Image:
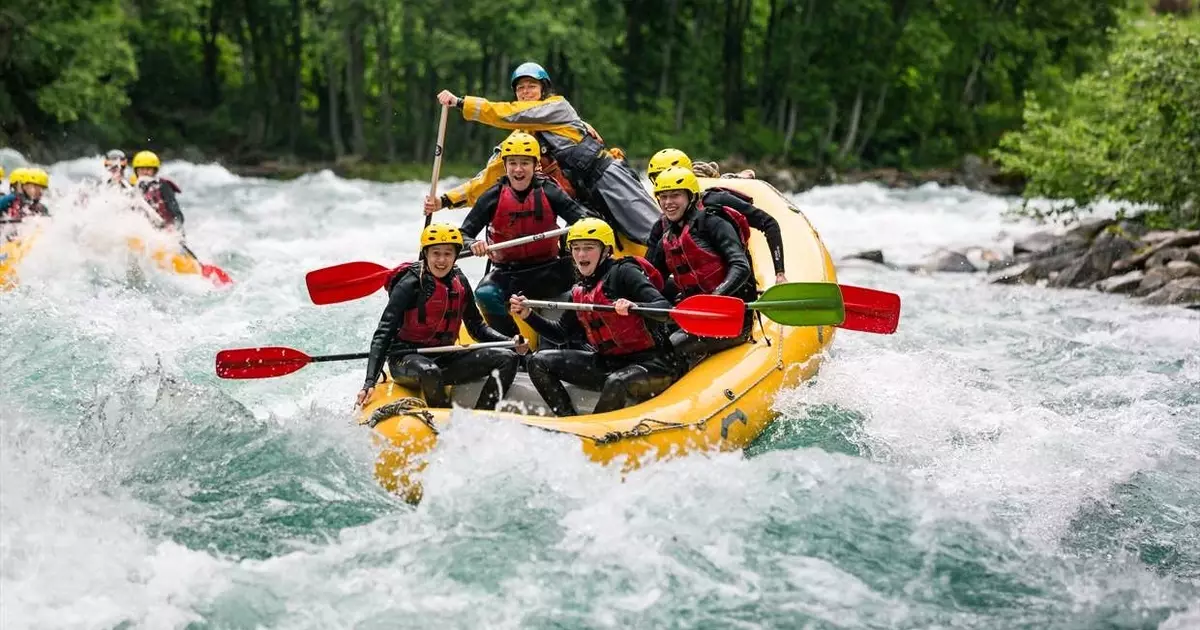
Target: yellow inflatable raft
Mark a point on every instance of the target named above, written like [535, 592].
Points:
[11, 253]
[724, 403]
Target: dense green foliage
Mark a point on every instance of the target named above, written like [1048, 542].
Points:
[806, 82]
[1129, 130]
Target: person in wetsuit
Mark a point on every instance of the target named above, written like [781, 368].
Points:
[715, 197]
[427, 303]
[631, 360]
[703, 250]
[522, 203]
[159, 192]
[25, 199]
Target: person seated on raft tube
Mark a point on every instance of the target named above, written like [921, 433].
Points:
[115, 163]
[704, 251]
[522, 203]
[603, 183]
[427, 303]
[159, 192]
[25, 200]
[717, 197]
[632, 359]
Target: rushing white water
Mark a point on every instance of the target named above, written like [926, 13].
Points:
[1012, 457]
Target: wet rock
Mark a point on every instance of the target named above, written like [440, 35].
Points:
[1036, 243]
[1124, 283]
[1087, 230]
[1182, 290]
[783, 179]
[1097, 263]
[977, 173]
[1155, 279]
[1157, 236]
[949, 261]
[1181, 269]
[872, 255]
[1018, 273]
[1166, 255]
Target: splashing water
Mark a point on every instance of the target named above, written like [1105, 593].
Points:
[1012, 458]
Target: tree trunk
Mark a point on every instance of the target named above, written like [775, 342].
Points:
[334, 72]
[873, 120]
[356, 92]
[827, 138]
[295, 69]
[211, 54]
[852, 130]
[387, 111]
[633, 54]
[668, 38]
[412, 87]
[736, 15]
[765, 85]
[789, 133]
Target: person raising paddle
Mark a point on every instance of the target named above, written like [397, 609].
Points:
[427, 303]
[632, 360]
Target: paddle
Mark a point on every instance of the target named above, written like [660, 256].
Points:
[701, 315]
[214, 273]
[246, 363]
[437, 158]
[802, 304]
[869, 310]
[354, 280]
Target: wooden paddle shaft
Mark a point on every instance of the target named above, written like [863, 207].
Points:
[438, 150]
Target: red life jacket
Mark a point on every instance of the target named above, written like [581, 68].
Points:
[153, 194]
[647, 268]
[610, 333]
[729, 214]
[435, 320]
[13, 211]
[696, 269]
[515, 219]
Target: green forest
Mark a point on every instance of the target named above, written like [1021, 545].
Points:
[808, 83]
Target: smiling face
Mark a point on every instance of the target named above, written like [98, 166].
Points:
[33, 191]
[439, 259]
[674, 203]
[520, 171]
[528, 89]
[587, 255]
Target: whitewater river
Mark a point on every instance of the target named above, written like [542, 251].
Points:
[1014, 457]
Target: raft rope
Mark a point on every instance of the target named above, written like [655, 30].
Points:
[413, 407]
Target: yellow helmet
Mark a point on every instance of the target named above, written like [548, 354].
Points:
[146, 159]
[1, 172]
[677, 178]
[519, 143]
[37, 177]
[439, 234]
[665, 159]
[592, 229]
[17, 176]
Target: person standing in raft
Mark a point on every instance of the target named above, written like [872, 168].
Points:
[704, 251]
[604, 183]
[632, 360]
[115, 164]
[427, 303]
[716, 197]
[523, 203]
[159, 192]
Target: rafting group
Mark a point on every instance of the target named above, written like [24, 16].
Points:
[150, 195]
[649, 282]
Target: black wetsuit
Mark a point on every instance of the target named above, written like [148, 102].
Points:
[619, 378]
[758, 219]
[546, 280]
[430, 373]
[718, 235]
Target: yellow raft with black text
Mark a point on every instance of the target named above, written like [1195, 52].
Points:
[724, 403]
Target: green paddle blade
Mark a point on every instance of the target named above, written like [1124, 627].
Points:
[802, 304]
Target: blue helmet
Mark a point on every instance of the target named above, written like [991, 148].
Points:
[532, 70]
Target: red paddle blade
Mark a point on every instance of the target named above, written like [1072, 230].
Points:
[216, 275]
[710, 315]
[245, 363]
[345, 282]
[868, 310]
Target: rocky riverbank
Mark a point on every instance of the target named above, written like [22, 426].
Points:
[1109, 255]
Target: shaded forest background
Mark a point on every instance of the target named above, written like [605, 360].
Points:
[808, 83]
